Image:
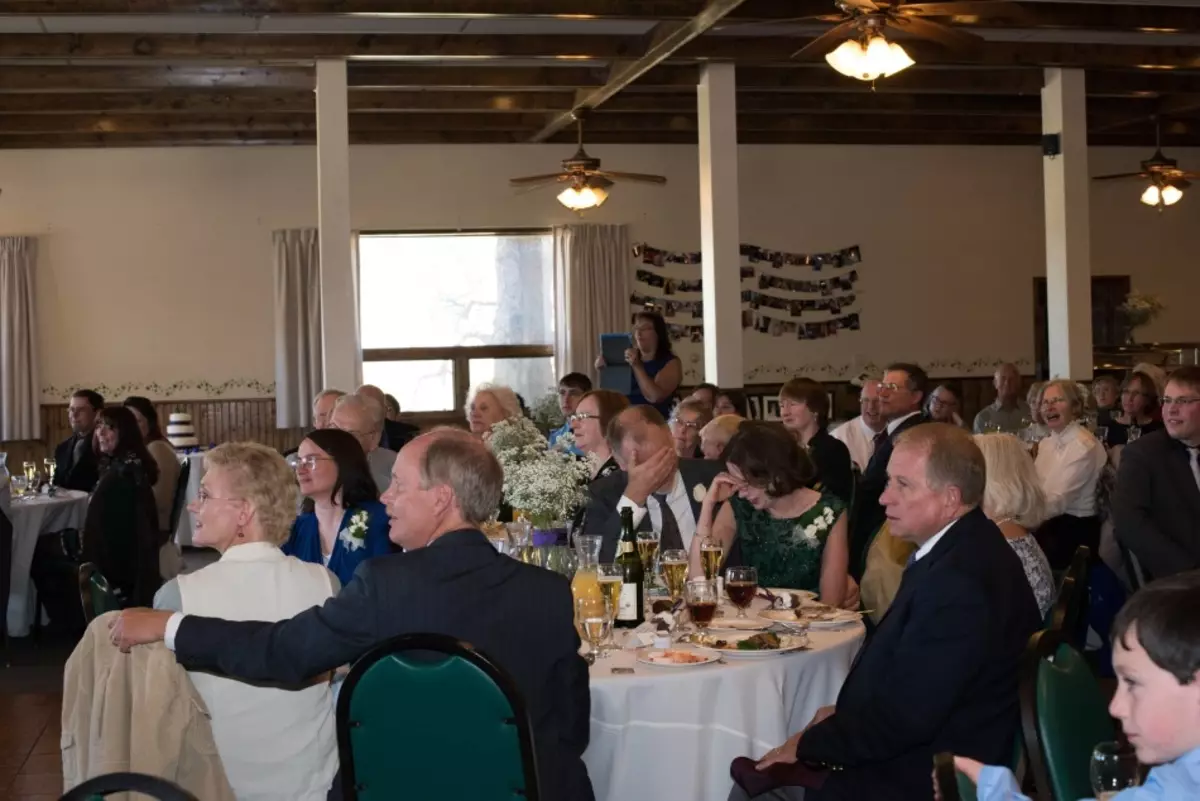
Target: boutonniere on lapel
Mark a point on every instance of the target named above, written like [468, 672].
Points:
[699, 492]
[355, 534]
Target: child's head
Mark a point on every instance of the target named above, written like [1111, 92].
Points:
[1156, 655]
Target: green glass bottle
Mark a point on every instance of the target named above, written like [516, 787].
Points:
[630, 613]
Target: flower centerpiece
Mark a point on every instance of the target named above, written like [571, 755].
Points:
[546, 412]
[1138, 310]
[546, 484]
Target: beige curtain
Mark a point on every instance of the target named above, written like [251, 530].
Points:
[298, 367]
[591, 281]
[20, 416]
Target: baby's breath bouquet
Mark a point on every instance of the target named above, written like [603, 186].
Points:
[543, 483]
[1140, 309]
[546, 412]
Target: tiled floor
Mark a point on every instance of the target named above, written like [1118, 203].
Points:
[30, 764]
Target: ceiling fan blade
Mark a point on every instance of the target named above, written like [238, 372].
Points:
[966, 8]
[862, 5]
[759, 23]
[945, 35]
[539, 179]
[1180, 182]
[1121, 175]
[827, 41]
[631, 176]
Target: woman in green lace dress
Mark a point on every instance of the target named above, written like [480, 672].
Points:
[794, 536]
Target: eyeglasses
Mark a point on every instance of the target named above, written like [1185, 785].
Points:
[579, 417]
[893, 386]
[307, 462]
[202, 497]
[1185, 402]
[692, 424]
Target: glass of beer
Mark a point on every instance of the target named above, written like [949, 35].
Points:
[595, 623]
[51, 466]
[647, 545]
[674, 568]
[741, 583]
[610, 587]
[702, 601]
[710, 557]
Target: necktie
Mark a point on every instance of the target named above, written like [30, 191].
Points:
[670, 537]
[912, 560]
[880, 438]
[1194, 453]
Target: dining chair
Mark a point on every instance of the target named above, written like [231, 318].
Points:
[466, 704]
[179, 502]
[95, 593]
[1063, 716]
[153, 786]
[1070, 608]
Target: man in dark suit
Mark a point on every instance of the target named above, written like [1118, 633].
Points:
[395, 434]
[940, 671]
[901, 396]
[75, 461]
[664, 491]
[450, 580]
[1156, 501]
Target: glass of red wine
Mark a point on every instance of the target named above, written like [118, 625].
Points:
[741, 583]
[702, 602]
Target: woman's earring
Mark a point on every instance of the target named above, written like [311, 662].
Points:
[241, 534]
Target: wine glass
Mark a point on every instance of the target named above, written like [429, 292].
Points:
[595, 622]
[611, 581]
[647, 545]
[30, 474]
[51, 467]
[674, 569]
[1114, 768]
[1134, 433]
[710, 557]
[741, 583]
[702, 601]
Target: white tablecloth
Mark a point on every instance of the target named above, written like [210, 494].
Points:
[183, 532]
[31, 518]
[669, 734]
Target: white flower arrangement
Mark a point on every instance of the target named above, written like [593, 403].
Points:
[1140, 309]
[815, 533]
[566, 442]
[545, 484]
[355, 534]
[546, 412]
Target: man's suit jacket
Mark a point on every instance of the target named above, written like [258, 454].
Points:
[938, 674]
[520, 616]
[1156, 505]
[397, 434]
[867, 515]
[605, 493]
[69, 473]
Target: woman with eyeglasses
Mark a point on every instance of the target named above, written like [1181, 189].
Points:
[589, 422]
[1139, 411]
[342, 521]
[657, 371]
[274, 744]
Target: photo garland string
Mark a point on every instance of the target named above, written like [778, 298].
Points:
[754, 317]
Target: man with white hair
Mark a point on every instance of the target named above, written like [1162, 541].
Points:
[363, 418]
[394, 434]
[322, 406]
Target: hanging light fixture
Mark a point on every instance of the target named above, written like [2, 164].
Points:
[866, 62]
[581, 198]
[1167, 195]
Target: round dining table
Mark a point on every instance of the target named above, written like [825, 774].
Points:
[32, 517]
[670, 733]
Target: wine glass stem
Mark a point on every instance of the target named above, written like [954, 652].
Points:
[741, 612]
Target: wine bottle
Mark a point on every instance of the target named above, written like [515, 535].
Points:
[630, 612]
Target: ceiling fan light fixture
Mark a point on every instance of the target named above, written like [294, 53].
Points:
[1171, 195]
[582, 198]
[878, 57]
[1151, 196]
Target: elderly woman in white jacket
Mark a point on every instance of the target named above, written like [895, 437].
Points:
[275, 743]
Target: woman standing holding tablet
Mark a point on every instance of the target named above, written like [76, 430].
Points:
[657, 371]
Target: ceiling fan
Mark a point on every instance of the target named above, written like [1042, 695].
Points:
[1167, 181]
[864, 51]
[587, 184]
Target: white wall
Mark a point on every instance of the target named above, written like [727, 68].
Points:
[156, 263]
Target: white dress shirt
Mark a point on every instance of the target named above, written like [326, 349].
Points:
[680, 504]
[932, 541]
[1069, 464]
[859, 439]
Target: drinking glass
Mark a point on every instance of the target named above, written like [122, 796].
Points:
[51, 467]
[30, 474]
[1134, 433]
[595, 617]
[611, 581]
[741, 583]
[562, 560]
[702, 602]
[19, 485]
[710, 557]
[674, 568]
[1114, 768]
[647, 545]
[1102, 433]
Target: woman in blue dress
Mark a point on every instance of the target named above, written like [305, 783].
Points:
[341, 522]
[657, 371]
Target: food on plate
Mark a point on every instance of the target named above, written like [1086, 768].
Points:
[787, 600]
[763, 641]
[676, 657]
[817, 611]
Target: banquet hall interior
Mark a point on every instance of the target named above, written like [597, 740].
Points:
[759, 246]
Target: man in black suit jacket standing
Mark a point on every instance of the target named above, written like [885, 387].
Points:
[76, 466]
[663, 490]
[1156, 501]
[940, 671]
[450, 580]
[901, 397]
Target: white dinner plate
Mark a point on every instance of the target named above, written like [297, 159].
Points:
[738, 624]
[788, 643]
[651, 656]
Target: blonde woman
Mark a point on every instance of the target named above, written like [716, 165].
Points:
[716, 435]
[275, 743]
[1014, 501]
[488, 405]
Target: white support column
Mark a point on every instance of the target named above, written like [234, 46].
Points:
[717, 106]
[1068, 247]
[340, 352]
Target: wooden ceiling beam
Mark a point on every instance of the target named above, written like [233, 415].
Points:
[54, 78]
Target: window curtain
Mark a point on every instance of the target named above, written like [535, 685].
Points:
[298, 366]
[591, 279]
[20, 413]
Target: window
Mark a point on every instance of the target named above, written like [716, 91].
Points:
[440, 313]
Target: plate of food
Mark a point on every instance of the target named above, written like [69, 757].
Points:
[753, 646]
[676, 657]
[738, 624]
[787, 599]
[823, 616]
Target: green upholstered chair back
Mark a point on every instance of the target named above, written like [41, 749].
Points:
[95, 594]
[1063, 715]
[426, 717]
[146, 786]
